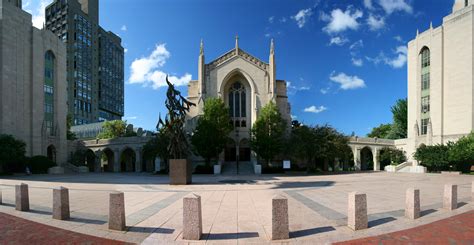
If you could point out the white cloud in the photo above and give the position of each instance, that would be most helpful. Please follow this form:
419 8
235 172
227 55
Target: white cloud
368 4
376 23
324 90
125 50
123 28
293 117
340 21
37 11
315 109
130 118
292 89
339 41
357 62
302 17
271 19
146 70
283 19
347 82
357 45
399 38
398 61
391 6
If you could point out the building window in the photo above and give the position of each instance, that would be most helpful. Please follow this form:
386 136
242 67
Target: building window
425 81
424 126
237 104
425 58
49 78
425 104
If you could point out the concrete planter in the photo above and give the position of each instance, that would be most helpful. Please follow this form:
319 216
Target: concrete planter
217 169
180 172
390 169
258 169
83 169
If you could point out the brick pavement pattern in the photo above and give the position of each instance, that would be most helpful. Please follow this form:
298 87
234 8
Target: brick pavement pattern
458 229
14 230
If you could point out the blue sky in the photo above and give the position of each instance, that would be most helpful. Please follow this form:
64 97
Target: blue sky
345 59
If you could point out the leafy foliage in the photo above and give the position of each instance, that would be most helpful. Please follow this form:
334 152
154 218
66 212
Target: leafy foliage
212 130
381 131
158 146
12 151
113 129
268 132
70 135
390 156
319 144
461 154
435 158
173 125
40 164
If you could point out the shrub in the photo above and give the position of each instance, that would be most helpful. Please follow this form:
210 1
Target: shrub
40 164
389 156
435 158
461 153
12 152
272 170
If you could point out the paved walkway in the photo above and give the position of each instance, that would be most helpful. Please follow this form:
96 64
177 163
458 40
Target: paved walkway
455 230
14 230
238 213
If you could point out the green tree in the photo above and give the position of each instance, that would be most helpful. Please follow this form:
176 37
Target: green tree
268 132
212 130
70 135
389 156
435 158
12 151
381 131
461 153
400 120
113 129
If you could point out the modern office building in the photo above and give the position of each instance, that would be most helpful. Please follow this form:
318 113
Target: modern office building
95 61
32 84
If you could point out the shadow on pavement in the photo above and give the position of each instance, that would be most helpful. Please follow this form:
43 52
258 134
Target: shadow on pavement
312 231
226 236
381 221
87 221
427 212
150 230
300 184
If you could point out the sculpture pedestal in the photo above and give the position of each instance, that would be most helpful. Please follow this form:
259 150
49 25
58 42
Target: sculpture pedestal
180 172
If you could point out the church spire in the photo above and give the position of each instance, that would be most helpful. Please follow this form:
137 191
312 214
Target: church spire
201 50
272 47
237 43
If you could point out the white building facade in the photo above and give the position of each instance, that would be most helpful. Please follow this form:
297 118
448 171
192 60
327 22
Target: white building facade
440 82
245 84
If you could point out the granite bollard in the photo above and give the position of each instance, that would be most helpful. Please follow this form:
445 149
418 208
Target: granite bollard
357 211
280 223
22 201
192 217
61 203
117 211
450 199
412 203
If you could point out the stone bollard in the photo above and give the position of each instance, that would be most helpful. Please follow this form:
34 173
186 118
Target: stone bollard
117 211
412 203
61 203
22 201
192 217
450 200
357 211
280 223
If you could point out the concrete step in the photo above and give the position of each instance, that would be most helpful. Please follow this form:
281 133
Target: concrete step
230 168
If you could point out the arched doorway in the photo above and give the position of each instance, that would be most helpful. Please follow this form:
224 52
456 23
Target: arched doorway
244 150
91 160
107 160
366 159
230 154
127 160
51 153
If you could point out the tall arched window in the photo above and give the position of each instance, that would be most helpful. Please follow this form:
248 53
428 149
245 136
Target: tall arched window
49 78
425 89
237 104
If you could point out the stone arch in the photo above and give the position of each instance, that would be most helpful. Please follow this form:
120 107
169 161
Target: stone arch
107 160
51 152
91 161
237 72
367 158
128 159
